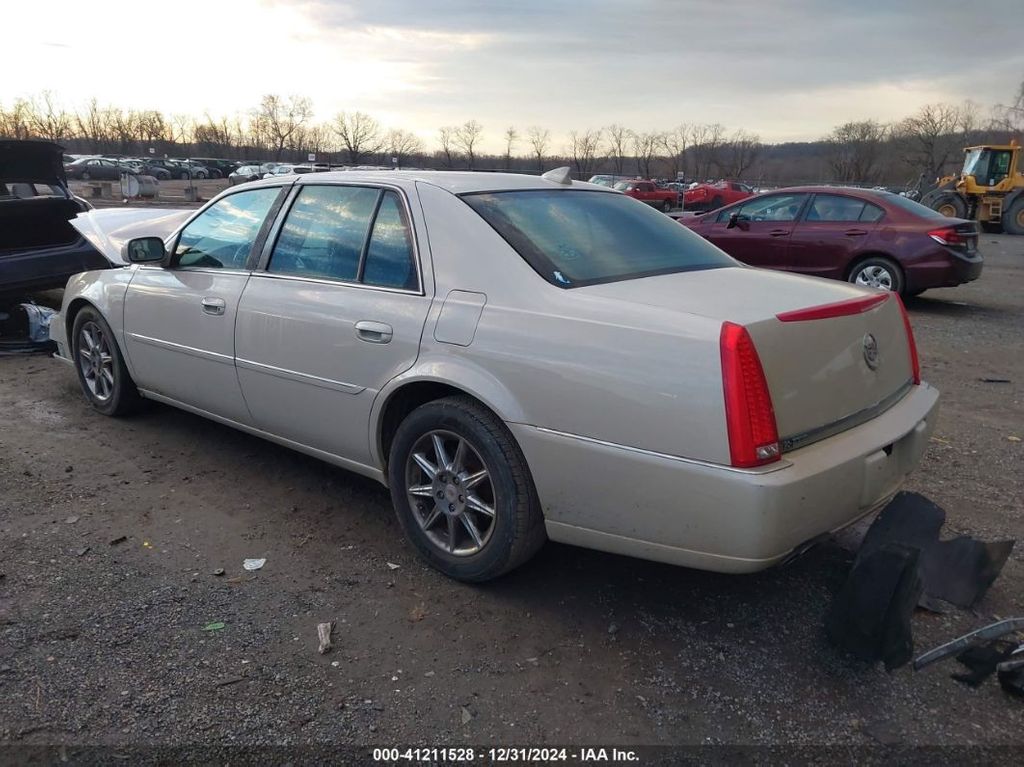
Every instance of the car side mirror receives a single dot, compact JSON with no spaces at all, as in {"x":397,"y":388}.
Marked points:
{"x":144,"y":250}
{"x":737,"y":219}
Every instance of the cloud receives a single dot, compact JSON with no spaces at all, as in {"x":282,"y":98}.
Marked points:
{"x":787,"y":69}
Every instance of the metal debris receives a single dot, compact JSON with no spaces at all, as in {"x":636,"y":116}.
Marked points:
{"x":323,"y":632}
{"x":974,"y":638}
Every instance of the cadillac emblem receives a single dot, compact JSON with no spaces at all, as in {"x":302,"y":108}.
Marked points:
{"x":871,"y":351}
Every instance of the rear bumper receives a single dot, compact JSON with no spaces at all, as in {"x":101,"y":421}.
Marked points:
{"x":712,"y":517}
{"x":944,"y":268}
{"x":46,"y":268}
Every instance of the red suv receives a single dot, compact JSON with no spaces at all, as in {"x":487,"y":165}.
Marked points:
{"x":867,"y":237}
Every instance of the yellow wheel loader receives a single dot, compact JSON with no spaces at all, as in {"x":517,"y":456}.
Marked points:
{"x":989,"y":189}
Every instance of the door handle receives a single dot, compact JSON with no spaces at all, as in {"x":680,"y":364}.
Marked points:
{"x":855,"y":232}
{"x":374,"y":332}
{"x":778,"y":232}
{"x":213,"y":305}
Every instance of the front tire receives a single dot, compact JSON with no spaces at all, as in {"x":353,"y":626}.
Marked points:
{"x":101,"y":370}
{"x":462,"y":490}
{"x":878,"y":272}
{"x":716,"y":203}
{"x":666,"y":206}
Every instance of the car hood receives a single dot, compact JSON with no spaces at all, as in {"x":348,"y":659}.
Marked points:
{"x":109,"y":229}
{"x":32,"y":161}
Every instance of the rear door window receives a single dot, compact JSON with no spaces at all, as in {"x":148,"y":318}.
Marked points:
{"x":835,"y":207}
{"x":347,"y":233}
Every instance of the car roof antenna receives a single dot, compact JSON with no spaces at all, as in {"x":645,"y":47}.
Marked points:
{"x":561,"y":175}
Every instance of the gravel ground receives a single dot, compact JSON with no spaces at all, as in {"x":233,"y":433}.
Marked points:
{"x":111,"y":532}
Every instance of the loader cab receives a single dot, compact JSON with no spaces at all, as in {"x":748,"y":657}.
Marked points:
{"x":990,"y":166}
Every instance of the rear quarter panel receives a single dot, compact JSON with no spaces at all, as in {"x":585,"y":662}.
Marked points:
{"x":560,"y":359}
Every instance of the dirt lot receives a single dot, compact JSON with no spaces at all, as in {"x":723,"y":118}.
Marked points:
{"x":104,"y":642}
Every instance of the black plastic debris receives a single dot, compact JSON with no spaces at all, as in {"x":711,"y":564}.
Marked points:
{"x":982,"y":660}
{"x":870,"y":617}
{"x":1011,"y":677}
{"x":959,"y":571}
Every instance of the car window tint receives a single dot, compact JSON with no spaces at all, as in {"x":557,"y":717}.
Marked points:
{"x":834,"y":207}
{"x":222,"y":236}
{"x":324,"y":232}
{"x":389,"y":258}
{"x":575,"y":238}
{"x":871,"y":213}
{"x":772,"y":207}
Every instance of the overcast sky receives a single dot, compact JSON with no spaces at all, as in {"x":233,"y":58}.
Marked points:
{"x":785,"y":69}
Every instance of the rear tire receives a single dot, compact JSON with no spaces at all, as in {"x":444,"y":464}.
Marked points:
{"x":104,"y":378}
{"x":666,"y":206}
{"x":877,"y":272}
{"x":716,"y":203}
{"x":469,"y":507}
{"x":1013,"y":219}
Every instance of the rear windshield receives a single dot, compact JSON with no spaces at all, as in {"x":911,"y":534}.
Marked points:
{"x":912,"y":207}
{"x":577,"y":238}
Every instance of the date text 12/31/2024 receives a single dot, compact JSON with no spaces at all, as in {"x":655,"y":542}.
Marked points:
{"x":504,"y":754}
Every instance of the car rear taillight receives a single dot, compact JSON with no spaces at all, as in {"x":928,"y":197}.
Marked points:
{"x":915,"y":364}
{"x":749,"y":413}
{"x":947,"y":235}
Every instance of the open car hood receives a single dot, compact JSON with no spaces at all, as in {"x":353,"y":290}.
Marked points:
{"x":32,"y":162}
{"x":108,"y":229}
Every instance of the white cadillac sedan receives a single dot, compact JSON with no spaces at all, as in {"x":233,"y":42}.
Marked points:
{"x":517,"y":358}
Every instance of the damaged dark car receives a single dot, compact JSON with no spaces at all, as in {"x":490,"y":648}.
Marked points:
{"x":39,"y":248}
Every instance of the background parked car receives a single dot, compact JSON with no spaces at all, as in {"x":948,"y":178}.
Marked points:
{"x":39,"y":249}
{"x":245,"y":173}
{"x":99,"y":168}
{"x":649,"y":192}
{"x":868,"y":237}
{"x":714,"y":196}
{"x":216,"y":168}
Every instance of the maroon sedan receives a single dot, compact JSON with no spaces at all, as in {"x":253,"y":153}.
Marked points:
{"x":864,"y":236}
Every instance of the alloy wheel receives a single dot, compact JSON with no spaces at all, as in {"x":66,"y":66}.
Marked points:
{"x":875,"y":276}
{"x":95,"y":361}
{"x":451,"y":493}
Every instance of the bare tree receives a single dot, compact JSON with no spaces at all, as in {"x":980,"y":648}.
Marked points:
{"x":446,"y":138}
{"x":281,"y":118}
{"x":48,"y":120}
{"x":930,"y":139}
{"x":402,"y":144}
{"x":619,"y":137}
{"x":90,"y":125}
{"x":1010,"y":117}
{"x":854,"y":150}
{"x":706,"y":142}
{"x":739,"y":153}
{"x":675,"y":142}
{"x":467,"y":136}
{"x":360,"y":136}
{"x":645,"y":147}
{"x":540,"y":139}
{"x":15,"y":122}
{"x":583,"y":146}
{"x":511,"y":136}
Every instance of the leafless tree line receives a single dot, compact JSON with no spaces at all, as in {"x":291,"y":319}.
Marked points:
{"x":927,"y":143}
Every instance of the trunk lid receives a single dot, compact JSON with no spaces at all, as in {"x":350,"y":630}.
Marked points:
{"x":32,"y":161}
{"x":825,"y":374}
